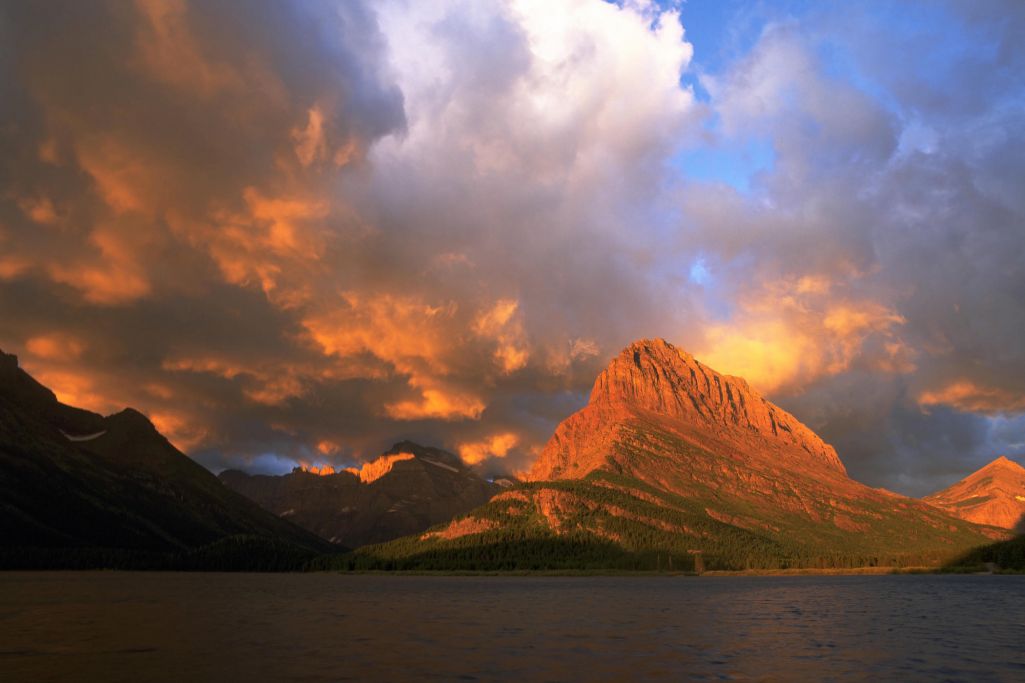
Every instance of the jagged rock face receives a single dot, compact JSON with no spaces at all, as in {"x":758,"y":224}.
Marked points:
{"x":993,"y":495}
{"x":404,"y":491}
{"x":652,"y":379}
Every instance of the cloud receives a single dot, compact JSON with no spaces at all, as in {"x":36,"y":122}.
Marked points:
{"x":324,"y":223}
{"x":303,"y":232}
{"x":884,"y":198}
{"x":56,"y":346}
{"x":495,"y":446}
{"x":969,"y":397}
{"x":502,"y":325}
{"x":790,"y":333}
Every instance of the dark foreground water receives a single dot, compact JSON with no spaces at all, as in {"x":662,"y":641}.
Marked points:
{"x":122,"y":626}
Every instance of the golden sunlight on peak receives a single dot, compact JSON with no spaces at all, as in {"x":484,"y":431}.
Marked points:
{"x":375,"y":469}
{"x":321,"y":470}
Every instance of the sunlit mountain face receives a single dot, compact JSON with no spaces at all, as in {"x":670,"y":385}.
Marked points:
{"x":293,"y":234}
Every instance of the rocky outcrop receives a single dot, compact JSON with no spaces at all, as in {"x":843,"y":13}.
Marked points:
{"x":993,"y":495}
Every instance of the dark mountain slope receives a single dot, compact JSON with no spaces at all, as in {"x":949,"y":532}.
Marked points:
{"x":76,"y":485}
{"x":405,"y":491}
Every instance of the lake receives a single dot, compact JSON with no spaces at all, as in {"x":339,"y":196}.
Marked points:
{"x":124,"y":626}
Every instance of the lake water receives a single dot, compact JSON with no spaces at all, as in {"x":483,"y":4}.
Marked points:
{"x":123,"y":626}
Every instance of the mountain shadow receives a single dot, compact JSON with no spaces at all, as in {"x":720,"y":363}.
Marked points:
{"x":1006,"y":556}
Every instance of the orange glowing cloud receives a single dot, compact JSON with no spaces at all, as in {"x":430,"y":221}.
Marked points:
{"x":766,"y":353}
{"x":113,"y":278}
{"x":74,"y":388}
{"x":38,"y":209}
{"x":502,"y":324}
{"x":274,"y":243}
{"x":794,"y":332}
{"x":495,"y":446}
{"x":310,"y":145}
{"x":284,"y":217}
{"x":55,"y":347}
{"x":122,"y":177}
{"x":12,"y":266}
{"x":327,"y":447}
{"x":969,"y":396}
{"x":413,"y":337}
{"x":272,"y":391}
{"x":181,"y":429}
{"x":267,"y":385}
{"x":213,"y":366}
{"x":49,"y":152}
{"x":439,"y":404}
{"x":406,"y":332}
{"x":170,"y":52}
{"x":108,"y":286}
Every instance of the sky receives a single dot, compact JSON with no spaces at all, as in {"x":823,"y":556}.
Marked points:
{"x":301,"y":232}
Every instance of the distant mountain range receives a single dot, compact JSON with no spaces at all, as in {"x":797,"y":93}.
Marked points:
{"x":78,"y":490}
{"x":405,"y":491}
{"x":670,"y":465}
{"x":671,"y":461}
{"x":993,"y":495}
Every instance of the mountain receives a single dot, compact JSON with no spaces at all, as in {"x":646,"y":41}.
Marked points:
{"x":652,"y":383}
{"x":671,"y":461}
{"x":80,"y":489}
{"x":404,"y":491}
{"x":993,"y":495}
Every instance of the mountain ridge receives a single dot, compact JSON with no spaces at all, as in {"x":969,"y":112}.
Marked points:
{"x":672,"y":460}
{"x":994,"y":494}
{"x":81,"y":489}
{"x":406,"y":490}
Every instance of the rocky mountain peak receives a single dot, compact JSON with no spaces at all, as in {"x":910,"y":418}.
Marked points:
{"x":428,"y":452}
{"x":653,"y":375}
{"x":1004,"y":463}
{"x":993,"y":494}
